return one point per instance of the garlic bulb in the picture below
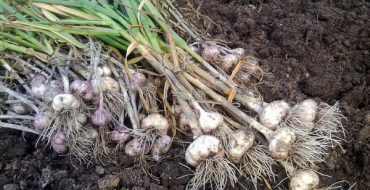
(155, 121)
(81, 118)
(60, 143)
(201, 148)
(138, 79)
(42, 120)
(38, 86)
(120, 135)
(104, 71)
(91, 133)
(272, 114)
(137, 147)
(210, 52)
(209, 121)
(238, 51)
(280, 143)
(101, 117)
(305, 112)
(21, 109)
(83, 89)
(194, 48)
(161, 146)
(304, 180)
(106, 84)
(228, 61)
(239, 143)
(65, 101)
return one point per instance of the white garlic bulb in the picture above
(273, 113)
(155, 121)
(239, 143)
(201, 148)
(65, 101)
(281, 142)
(304, 180)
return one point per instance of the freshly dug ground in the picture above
(316, 49)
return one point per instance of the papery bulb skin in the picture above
(240, 142)
(304, 180)
(65, 102)
(137, 147)
(82, 89)
(209, 121)
(273, 113)
(210, 52)
(155, 121)
(161, 146)
(120, 135)
(203, 147)
(60, 143)
(228, 61)
(281, 142)
(101, 117)
(42, 121)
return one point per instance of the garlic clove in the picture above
(304, 180)
(273, 113)
(203, 147)
(240, 142)
(280, 143)
(65, 101)
(155, 121)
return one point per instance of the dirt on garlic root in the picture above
(307, 49)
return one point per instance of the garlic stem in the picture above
(18, 96)
(17, 127)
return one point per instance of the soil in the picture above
(316, 49)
